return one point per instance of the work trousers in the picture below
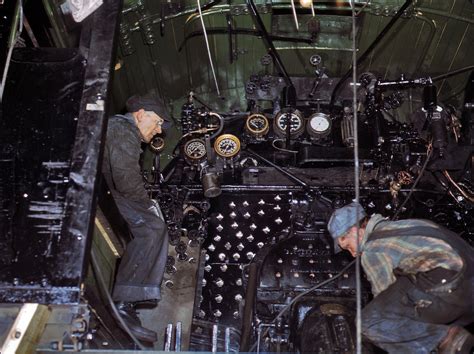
(408, 317)
(143, 264)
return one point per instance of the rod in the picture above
(248, 308)
(208, 48)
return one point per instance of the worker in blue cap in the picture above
(421, 276)
(143, 263)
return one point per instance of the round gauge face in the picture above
(319, 123)
(157, 144)
(195, 149)
(257, 124)
(294, 119)
(227, 145)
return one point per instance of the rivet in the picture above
(207, 257)
(261, 212)
(250, 238)
(217, 313)
(240, 246)
(228, 246)
(236, 314)
(238, 282)
(219, 228)
(277, 275)
(277, 198)
(224, 268)
(218, 298)
(443, 281)
(329, 261)
(211, 247)
(278, 221)
(202, 314)
(234, 225)
(253, 227)
(266, 230)
(239, 235)
(279, 261)
(245, 203)
(207, 268)
(246, 215)
(330, 275)
(219, 217)
(296, 275)
(277, 208)
(221, 257)
(219, 282)
(236, 256)
(250, 255)
(232, 205)
(260, 244)
(312, 275)
(311, 261)
(238, 297)
(310, 246)
(204, 282)
(261, 202)
(217, 238)
(345, 275)
(233, 215)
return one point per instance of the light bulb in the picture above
(306, 3)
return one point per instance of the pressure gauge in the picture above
(227, 145)
(257, 125)
(195, 150)
(319, 125)
(295, 119)
(157, 144)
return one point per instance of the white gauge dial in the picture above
(295, 119)
(319, 123)
(227, 145)
(195, 149)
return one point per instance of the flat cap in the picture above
(343, 219)
(149, 103)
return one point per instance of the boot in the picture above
(129, 315)
(458, 340)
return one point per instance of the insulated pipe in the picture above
(250, 295)
(370, 49)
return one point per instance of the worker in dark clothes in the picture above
(142, 266)
(421, 276)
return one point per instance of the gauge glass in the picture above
(195, 149)
(227, 145)
(319, 123)
(295, 120)
(257, 124)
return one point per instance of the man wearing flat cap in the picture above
(421, 276)
(143, 263)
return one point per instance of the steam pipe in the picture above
(278, 168)
(268, 42)
(370, 49)
(250, 295)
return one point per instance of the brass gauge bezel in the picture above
(257, 132)
(282, 132)
(318, 133)
(157, 144)
(226, 154)
(188, 154)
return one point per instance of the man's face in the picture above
(348, 241)
(149, 124)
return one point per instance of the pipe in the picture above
(370, 49)
(268, 42)
(250, 295)
(278, 168)
(452, 73)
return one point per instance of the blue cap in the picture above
(343, 219)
